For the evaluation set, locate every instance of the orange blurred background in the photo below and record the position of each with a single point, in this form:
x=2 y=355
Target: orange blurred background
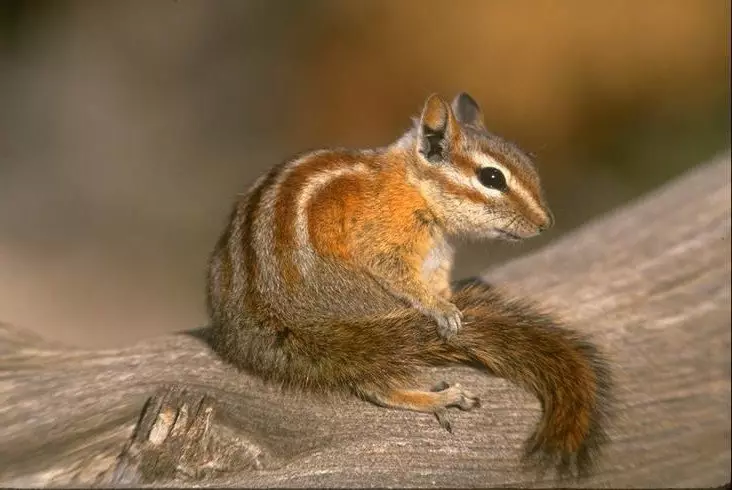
x=127 y=128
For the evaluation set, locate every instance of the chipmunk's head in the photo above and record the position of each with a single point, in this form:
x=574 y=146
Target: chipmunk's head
x=477 y=184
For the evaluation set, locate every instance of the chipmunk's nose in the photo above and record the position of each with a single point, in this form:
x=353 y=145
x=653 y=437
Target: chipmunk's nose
x=548 y=221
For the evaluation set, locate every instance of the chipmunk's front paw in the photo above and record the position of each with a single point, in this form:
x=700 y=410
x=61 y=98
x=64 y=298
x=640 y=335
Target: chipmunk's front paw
x=448 y=318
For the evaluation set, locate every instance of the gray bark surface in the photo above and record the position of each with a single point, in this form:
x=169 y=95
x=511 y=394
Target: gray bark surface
x=649 y=282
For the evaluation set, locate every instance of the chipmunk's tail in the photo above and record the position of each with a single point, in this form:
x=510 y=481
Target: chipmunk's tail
x=511 y=340
x=506 y=338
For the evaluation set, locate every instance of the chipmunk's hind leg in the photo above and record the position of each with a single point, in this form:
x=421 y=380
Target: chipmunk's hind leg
x=437 y=401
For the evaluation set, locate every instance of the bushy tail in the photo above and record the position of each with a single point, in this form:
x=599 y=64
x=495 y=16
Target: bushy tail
x=511 y=340
x=507 y=338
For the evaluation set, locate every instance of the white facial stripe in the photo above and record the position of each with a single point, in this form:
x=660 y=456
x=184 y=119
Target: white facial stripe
x=455 y=176
x=514 y=184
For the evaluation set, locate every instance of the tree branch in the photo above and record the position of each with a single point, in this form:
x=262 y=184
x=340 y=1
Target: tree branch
x=650 y=283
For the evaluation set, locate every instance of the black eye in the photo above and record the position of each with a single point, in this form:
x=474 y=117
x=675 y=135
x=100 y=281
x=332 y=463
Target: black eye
x=492 y=178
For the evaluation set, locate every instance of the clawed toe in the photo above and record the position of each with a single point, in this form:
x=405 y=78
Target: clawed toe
x=463 y=399
x=456 y=396
x=441 y=386
x=443 y=420
x=468 y=402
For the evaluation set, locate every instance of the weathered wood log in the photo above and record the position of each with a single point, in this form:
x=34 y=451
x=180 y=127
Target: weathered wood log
x=650 y=283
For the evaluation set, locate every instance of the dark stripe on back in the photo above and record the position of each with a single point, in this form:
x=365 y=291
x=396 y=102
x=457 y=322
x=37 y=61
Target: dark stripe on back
x=251 y=210
x=285 y=237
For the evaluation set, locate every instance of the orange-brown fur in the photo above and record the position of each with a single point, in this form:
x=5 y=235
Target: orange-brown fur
x=285 y=218
x=358 y=309
x=333 y=222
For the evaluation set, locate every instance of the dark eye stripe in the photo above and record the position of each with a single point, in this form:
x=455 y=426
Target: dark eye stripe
x=452 y=188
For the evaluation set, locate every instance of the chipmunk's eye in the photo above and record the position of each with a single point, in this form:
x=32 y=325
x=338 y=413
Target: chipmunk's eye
x=492 y=178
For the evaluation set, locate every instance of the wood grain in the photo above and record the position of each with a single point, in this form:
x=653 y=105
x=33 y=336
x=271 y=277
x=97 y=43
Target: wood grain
x=650 y=282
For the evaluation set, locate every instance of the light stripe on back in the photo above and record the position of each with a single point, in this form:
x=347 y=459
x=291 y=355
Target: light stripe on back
x=302 y=181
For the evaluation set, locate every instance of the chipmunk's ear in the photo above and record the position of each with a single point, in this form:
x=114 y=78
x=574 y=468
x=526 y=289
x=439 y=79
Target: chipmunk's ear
x=438 y=130
x=467 y=111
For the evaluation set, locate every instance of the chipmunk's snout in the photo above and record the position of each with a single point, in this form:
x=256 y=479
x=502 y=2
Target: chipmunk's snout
x=547 y=222
x=536 y=223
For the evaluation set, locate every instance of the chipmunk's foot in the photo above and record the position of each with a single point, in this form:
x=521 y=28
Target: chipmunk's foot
x=453 y=396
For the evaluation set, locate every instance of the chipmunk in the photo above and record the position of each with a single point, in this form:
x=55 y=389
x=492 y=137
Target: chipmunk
x=333 y=275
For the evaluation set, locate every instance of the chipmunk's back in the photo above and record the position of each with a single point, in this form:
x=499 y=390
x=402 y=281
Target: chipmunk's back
x=301 y=225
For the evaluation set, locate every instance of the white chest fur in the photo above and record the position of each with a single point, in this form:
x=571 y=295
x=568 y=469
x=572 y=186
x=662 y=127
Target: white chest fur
x=439 y=258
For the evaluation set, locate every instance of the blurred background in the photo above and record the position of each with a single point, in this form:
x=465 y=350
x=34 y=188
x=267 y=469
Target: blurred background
x=128 y=127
